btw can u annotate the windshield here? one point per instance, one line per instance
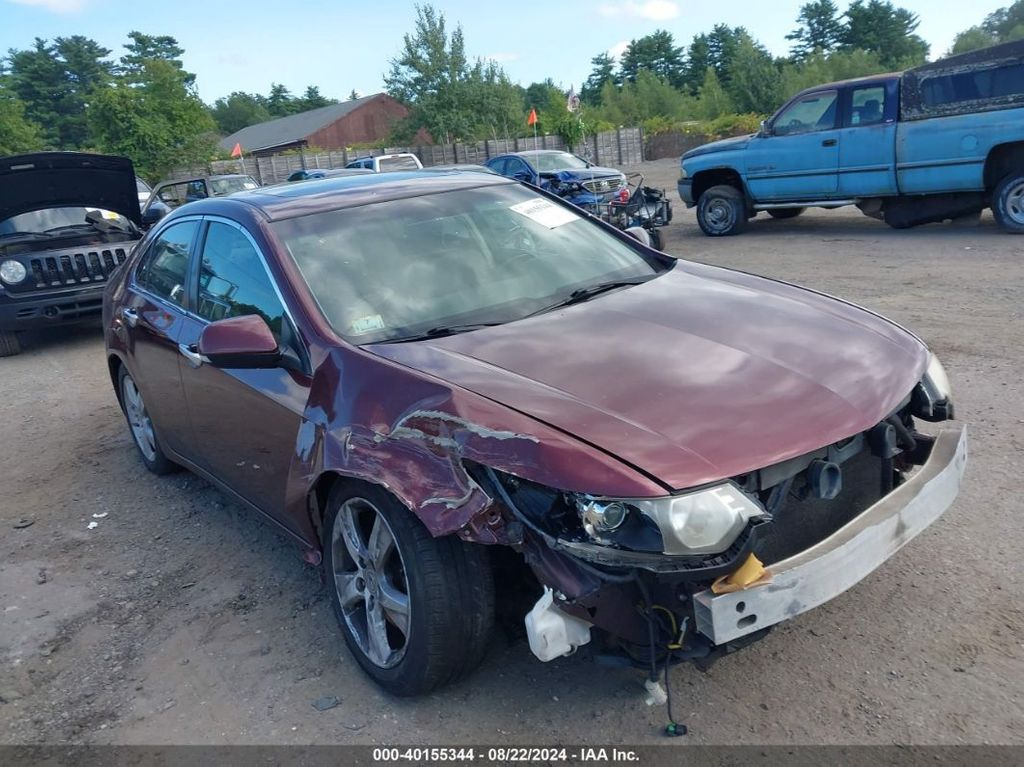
(39, 221)
(401, 268)
(400, 162)
(221, 186)
(549, 162)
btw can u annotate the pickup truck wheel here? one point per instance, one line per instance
(722, 211)
(416, 611)
(9, 345)
(783, 213)
(1008, 203)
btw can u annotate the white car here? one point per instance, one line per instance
(387, 162)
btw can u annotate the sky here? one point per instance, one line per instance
(343, 45)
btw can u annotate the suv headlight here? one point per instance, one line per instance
(702, 522)
(12, 272)
(932, 399)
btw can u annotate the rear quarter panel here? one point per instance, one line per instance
(947, 154)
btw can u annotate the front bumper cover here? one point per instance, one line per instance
(827, 569)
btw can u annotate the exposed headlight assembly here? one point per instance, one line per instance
(701, 522)
(933, 397)
(12, 272)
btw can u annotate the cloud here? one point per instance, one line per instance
(502, 57)
(55, 6)
(652, 10)
(618, 49)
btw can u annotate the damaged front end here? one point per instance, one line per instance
(679, 577)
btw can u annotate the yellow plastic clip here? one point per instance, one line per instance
(751, 573)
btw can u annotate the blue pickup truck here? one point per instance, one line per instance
(937, 142)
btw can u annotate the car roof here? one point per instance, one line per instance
(319, 195)
(853, 81)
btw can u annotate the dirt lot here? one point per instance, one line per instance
(180, 618)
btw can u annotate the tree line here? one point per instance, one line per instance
(70, 93)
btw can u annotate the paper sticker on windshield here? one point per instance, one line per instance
(367, 324)
(545, 213)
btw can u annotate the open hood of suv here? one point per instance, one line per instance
(42, 180)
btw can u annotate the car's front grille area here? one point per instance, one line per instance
(602, 185)
(72, 267)
(801, 523)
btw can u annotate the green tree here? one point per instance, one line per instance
(715, 49)
(17, 133)
(55, 82)
(238, 110)
(143, 48)
(971, 40)
(353, 95)
(712, 99)
(656, 53)
(447, 95)
(312, 99)
(820, 29)
(158, 121)
(881, 28)
(1000, 26)
(755, 85)
(280, 102)
(819, 68)
(603, 72)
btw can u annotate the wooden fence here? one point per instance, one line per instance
(624, 146)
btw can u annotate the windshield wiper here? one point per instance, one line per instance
(26, 235)
(580, 295)
(442, 331)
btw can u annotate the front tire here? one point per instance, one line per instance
(9, 345)
(416, 611)
(1008, 202)
(784, 213)
(141, 426)
(722, 211)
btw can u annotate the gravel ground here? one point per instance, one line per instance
(180, 618)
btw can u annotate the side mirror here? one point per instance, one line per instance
(766, 129)
(153, 213)
(523, 175)
(240, 342)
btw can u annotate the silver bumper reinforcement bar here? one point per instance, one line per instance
(830, 567)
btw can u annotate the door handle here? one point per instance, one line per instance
(829, 142)
(130, 316)
(191, 355)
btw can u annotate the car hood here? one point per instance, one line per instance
(696, 376)
(32, 182)
(740, 142)
(583, 174)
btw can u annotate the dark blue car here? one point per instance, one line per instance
(562, 173)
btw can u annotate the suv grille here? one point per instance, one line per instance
(74, 268)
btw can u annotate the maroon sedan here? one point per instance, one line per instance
(424, 376)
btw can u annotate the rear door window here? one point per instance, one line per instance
(867, 106)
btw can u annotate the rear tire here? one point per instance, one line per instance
(657, 240)
(141, 426)
(416, 611)
(9, 345)
(722, 211)
(1008, 202)
(784, 213)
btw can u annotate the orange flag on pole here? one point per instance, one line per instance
(532, 119)
(237, 151)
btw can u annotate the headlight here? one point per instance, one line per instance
(12, 272)
(703, 522)
(682, 172)
(933, 396)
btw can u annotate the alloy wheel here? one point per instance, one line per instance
(1015, 203)
(138, 419)
(371, 582)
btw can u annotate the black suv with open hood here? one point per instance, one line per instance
(67, 220)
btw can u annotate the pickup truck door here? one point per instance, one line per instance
(867, 142)
(798, 159)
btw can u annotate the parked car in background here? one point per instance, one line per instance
(145, 190)
(67, 220)
(464, 166)
(168, 195)
(405, 371)
(570, 177)
(309, 173)
(936, 142)
(383, 163)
